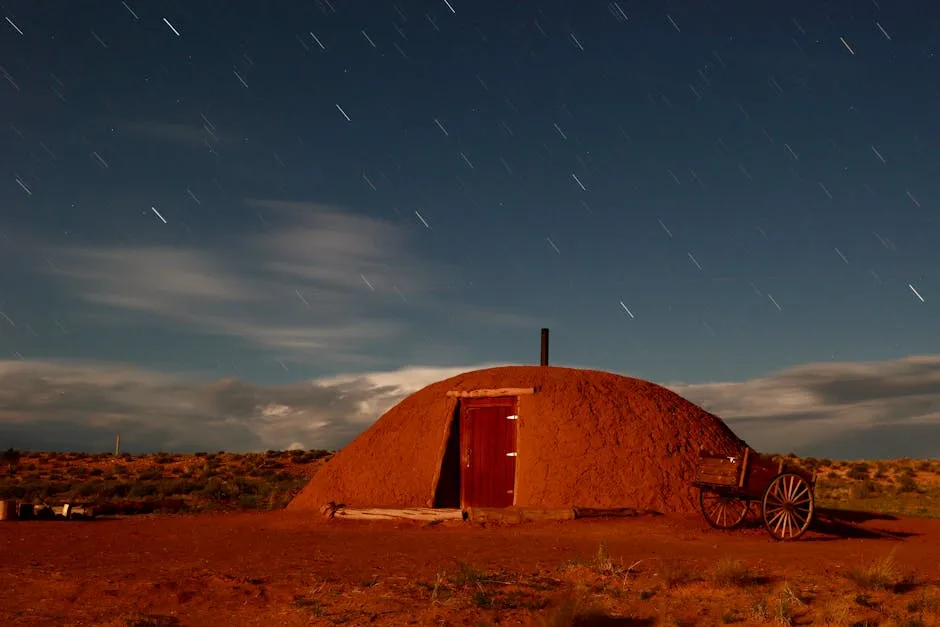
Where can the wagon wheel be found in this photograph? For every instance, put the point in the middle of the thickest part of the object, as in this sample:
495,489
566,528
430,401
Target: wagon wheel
788,506
722,512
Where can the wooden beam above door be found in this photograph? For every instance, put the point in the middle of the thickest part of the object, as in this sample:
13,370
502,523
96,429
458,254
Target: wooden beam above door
490,393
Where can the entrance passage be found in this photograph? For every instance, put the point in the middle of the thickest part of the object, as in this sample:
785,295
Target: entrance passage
487,451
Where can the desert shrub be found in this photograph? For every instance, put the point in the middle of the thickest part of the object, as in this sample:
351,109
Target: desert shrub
907,484
115,489
218,490
311,456
139,490
179,486
247,486
858,471
162,458
908,472
96,472
881,574
12,490
88,489
151,474
731,572
832,474
11,457
676,573
865,489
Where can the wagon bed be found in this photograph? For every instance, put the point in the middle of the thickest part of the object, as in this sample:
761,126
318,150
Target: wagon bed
728,484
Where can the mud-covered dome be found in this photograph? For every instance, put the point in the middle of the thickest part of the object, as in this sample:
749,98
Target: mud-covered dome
585,438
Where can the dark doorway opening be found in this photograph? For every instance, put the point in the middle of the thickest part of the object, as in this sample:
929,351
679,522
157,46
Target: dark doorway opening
447,494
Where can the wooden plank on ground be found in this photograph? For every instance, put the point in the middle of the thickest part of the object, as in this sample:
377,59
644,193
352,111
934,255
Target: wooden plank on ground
609,512
418,513
517,514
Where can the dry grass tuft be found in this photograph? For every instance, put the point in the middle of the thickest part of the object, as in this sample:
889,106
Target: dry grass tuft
674,573
838,612
603,563
882,574
732,572
574,608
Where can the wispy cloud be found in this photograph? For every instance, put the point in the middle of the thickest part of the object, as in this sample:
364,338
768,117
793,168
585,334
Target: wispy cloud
847,410
317,279
194,135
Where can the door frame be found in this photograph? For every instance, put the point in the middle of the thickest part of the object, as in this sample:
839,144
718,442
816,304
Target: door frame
487,401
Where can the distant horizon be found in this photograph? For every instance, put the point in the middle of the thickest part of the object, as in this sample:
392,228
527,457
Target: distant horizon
836,410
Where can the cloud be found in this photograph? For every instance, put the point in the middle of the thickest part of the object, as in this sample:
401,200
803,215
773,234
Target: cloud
319,285
183,135
834,409
837,410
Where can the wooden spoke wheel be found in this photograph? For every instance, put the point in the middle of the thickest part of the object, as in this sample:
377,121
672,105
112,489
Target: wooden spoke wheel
788,506
722,512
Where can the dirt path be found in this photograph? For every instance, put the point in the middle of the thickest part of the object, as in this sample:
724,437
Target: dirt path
248,569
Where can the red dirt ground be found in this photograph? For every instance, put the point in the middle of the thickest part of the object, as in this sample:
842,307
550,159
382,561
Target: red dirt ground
285,568
586,438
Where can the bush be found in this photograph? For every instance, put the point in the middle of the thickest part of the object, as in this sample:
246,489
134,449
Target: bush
218,491
139,490
858,471
907,484
11,457
12,491
86,490
865,489
180,486
115,489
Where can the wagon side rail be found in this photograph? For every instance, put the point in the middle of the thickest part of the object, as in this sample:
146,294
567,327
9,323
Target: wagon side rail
721,471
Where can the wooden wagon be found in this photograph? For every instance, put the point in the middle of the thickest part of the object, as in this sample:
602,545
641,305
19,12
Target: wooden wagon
728,484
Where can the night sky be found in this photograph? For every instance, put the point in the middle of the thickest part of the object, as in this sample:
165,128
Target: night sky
246,201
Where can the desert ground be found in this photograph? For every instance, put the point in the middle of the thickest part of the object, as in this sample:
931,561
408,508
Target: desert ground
214,563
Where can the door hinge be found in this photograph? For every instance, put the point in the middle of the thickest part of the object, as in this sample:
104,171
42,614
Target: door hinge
513,454
512,417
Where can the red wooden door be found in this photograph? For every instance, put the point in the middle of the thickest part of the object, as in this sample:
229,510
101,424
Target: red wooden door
487,451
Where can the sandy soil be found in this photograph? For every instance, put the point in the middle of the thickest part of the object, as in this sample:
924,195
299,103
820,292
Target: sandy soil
255,569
